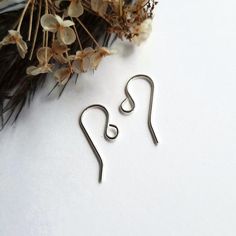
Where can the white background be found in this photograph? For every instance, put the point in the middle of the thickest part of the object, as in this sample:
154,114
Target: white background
184,186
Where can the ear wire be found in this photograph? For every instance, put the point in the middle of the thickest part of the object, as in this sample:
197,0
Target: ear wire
132,103
106,135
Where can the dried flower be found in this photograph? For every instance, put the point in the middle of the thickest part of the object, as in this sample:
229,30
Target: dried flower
43,55
82,60
58,51
98,55
56,24
142,31
14,37
62,75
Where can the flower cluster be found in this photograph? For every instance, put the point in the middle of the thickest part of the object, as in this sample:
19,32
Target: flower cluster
58,22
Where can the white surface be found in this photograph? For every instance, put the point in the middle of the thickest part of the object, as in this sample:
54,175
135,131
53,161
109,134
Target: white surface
185,186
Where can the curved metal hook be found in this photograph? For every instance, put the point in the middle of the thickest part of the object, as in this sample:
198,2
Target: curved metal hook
132,103
106,135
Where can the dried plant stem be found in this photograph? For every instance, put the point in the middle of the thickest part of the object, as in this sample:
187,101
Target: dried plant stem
31,20
46,6
85,28
46,35
121,7
23,14
46,45
69,63
77,35
37,29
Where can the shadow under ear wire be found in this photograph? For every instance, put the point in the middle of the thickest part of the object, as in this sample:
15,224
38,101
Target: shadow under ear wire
107,136
130,100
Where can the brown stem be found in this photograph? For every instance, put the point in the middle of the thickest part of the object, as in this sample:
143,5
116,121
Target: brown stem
37,29
31,20
88,32
22,15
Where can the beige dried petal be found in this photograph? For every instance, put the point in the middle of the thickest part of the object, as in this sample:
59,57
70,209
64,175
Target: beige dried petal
95,60
104,51
67,23
85,65
41,55
10,38
59,48
76,66
58,52
63,23
75,8
84,53
82,65
88,50
62,75
82,60
66,36
98,55
15,34
22,48
36,70
49,23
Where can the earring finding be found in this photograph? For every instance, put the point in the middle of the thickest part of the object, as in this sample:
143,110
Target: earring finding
106,135
132,103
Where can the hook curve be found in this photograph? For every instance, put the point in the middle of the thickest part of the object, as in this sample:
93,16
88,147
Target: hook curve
132,103
106,135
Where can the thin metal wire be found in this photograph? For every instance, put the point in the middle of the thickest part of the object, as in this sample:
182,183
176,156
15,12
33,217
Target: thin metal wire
132,103
106,135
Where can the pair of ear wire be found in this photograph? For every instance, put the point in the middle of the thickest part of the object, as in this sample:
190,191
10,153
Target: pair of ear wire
123,110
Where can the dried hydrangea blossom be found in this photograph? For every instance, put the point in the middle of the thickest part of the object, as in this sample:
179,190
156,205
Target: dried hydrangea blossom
126,20
63,37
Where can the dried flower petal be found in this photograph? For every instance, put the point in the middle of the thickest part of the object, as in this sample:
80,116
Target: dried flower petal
58,50
14,37
66,35
42,53
62,75
82,60
63,23
36,70
75,8
98,55
49,23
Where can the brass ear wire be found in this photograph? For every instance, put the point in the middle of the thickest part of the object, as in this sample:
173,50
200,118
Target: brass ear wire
106,135
132,103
